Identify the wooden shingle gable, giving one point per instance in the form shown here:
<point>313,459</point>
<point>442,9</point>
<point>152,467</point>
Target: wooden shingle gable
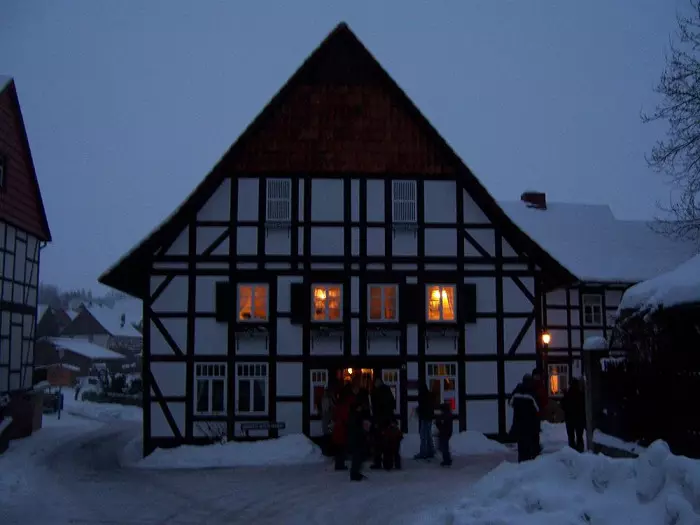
<point>340,112</point>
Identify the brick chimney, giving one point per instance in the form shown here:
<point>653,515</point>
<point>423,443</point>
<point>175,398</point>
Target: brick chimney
<point>534,199</point>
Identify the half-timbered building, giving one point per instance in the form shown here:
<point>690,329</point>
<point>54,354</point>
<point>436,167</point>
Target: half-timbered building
<point>23,230</point>
<point>339,235</point>
<point>606,255</point>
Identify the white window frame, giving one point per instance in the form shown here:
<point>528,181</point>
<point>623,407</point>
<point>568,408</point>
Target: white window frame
<point>275,200</point>
<point>326,286</point>
<point>253,287</point>
<point>561,371</point>
<point>246,374</point>
<point>210,372</point>
<point>392,378</point>
<point>441,287</point>
<point>383,318</point>
<point>592,301</point>
<point>404,201</point>
<point>452,373</point>
<point>319,377</point>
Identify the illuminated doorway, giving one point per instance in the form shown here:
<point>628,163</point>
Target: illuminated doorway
<point>366,376</point>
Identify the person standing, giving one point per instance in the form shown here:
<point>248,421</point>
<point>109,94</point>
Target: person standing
<point>341,417</point>
<point>425,412</point>
<point>574,405</point>
<point>328,401</point>
<point>542,398</point>
<point>383,406</point>
<point>358,429</point>
<point>444,425</point>
<point>526,422</point>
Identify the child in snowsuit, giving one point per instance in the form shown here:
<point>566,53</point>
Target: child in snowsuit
<point>444,426</point>
<point>391,444</point>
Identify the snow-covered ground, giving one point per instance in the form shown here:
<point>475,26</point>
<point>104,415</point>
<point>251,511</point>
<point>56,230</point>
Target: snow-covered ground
<point>99,411</point>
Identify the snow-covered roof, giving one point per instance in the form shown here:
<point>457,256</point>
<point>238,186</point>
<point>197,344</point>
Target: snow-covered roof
<point>67,366</point>
<point>111,320</point>
<point>40,311</point>
<point>595,246</point>
<point>4,81</point>
<point>71,313</point>
<point>676,287</point>
<point>85,348</point>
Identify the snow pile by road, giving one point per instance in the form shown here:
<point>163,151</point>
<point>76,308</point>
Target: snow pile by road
<point>467,443</point>
<point>100,411</point>
<point>553,436</point>
<point>567,488</point>
<point>287,450</point>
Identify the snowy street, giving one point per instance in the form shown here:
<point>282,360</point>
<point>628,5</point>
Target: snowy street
<point>79,480</point>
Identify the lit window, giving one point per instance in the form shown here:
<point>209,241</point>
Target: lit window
<point>558,379</point>
<point>382,302</point>
<point>251,388</point>
<point>210,381</point>
<point>592,309</point>
<point>391,379</point>
<point>319,383</point>
<point>252,302</point>
<point>441,303</point>
<point>327,302</point>
<point>442,382</point>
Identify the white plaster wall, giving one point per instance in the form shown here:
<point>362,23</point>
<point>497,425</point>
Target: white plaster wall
<point>210,338</point>
<point>405,243</point>
<point>486,239</point>
<point>247,240</point>
<point>252,345</point>
<point>514,300</point>
<point>511,329</point>
<point>173,298</point>
<point>289,379</point>
<point>441,242</point>
<point>383,345</point>
<point>218,207</point>
<point>480,337</point>
<point>289,338</point>
<point>375,241</point>
<point>507,250</point>
<point>354,200</point>
<point>436,343</point>
<point>327,241</point>
<point>181,245</point>
<point>472,213</point>
<point>301,201</point>
<point>284,286</point>
<point>326,345</point>
<point>278,242</point>
<point>355,241</point>
<point>574,317</point>
<point>481,377</point>
<point>300,247</point>
<point>485,293</point>
<point>482,416</point>
<point>205,300</point>
<point>248,199</point>
<point>613,298</point>
<point>171,378</point>
<point>440,199</point>
<point>159,425</point>
<point>354,294</point>
<point>375,201</point>
<point>355,336</point>
<point>412,339</point>
<point>514,372</point>
<point>327,200</point>
<point>573,297</point>
<point>291,415</point>
<point>557,297</point>
<point>557,317</point>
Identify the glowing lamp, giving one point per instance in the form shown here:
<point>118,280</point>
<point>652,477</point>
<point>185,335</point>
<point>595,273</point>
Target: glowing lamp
<point>350,371</point>
<point>546,338</point>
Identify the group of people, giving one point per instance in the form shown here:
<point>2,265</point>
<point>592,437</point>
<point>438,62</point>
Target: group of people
<point>529,402</point>
<point>361,425</point>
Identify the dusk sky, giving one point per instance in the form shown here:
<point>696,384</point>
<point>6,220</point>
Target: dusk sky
<point>128,104</point>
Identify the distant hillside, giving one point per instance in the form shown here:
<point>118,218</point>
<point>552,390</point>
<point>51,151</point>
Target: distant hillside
<point>52,295</point>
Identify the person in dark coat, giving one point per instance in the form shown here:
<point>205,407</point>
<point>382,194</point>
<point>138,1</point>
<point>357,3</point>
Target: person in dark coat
<point>444,425</point>
<point>542,398</point>
<point>574,406</point>
<point>339,435</point>
<point>358,429</point>
<point>425,412</point>
<point>526,422</point>
<point>391,441</point>
<point>383,406</point>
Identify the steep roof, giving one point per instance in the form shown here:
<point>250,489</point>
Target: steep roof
<point>111,321</point>
<point>13,201</point>
<point>85,348</point>
<point>362,98</point>
<point>595,246</point>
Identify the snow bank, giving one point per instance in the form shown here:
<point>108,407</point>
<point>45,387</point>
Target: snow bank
<point>553,436</point>
<point>567,488</point>
<point>287,450</point>
<point>100,411</point>
<point>614,442</point>
<point>679,286</point>
<point>469,443</point>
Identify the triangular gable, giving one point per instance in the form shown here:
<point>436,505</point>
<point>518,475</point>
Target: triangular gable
<point>339,112</point>
<point>20,200</point>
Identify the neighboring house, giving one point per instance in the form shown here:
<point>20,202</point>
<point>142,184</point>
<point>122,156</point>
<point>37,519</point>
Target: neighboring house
<point>51,322</point>
<point>340,235</point>
<point>23,231</point>
<point>107,327</point>
<point>606,255</point>
<point>78,354</point>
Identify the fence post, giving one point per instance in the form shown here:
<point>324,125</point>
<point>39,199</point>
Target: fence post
<point>593,349</point>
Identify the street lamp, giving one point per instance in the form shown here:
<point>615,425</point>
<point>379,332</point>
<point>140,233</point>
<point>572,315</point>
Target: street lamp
<point>546,339</point>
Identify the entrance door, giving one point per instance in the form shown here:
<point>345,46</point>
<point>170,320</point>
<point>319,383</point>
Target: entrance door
<point>392,378</point>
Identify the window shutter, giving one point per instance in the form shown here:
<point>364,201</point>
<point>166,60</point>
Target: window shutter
<point>411,301</point>
<point>225,301</point>
<point>468,302</point>
<point>299,303</point>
